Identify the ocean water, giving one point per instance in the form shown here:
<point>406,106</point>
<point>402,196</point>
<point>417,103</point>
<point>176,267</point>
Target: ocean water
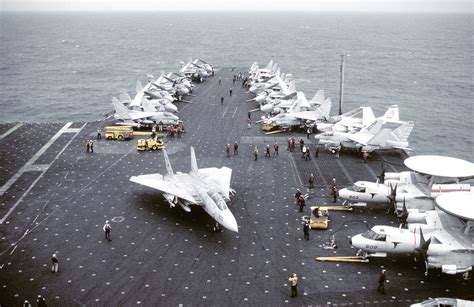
<point>57,67</point>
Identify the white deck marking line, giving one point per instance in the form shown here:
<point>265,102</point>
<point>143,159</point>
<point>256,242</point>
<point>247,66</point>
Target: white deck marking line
<point>344,170</point>
<point>44,169</point>
<point>320,174</point>
<point>33,159</point>
<point>295,170</point>
<point>225,111</point>
<point>233,114</point>
<point>10,131</point>
<point>371,171</point>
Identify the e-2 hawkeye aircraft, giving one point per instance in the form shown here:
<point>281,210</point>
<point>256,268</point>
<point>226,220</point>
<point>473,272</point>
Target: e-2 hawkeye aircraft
<point>443,238</point>
<point>430,176</point>
<point>205,187</point>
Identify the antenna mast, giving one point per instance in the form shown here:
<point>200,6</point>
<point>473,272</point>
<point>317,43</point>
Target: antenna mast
<point>341,88</point>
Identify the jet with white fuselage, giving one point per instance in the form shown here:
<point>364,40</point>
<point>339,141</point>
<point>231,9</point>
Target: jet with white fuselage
<point>205,187</point>
<point>382,134</point>
<point>162,104</point>
<point>300,112</point>
<point>138,118</point>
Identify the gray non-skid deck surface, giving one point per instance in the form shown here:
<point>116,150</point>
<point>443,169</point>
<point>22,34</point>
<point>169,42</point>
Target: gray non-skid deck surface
<point>161,255</point>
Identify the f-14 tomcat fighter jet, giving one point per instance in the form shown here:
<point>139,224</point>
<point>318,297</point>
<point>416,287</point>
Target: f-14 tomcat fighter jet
<point>206,187</point>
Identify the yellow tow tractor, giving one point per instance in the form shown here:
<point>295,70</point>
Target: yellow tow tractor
<point>319,218</point>
<point>150,144</point>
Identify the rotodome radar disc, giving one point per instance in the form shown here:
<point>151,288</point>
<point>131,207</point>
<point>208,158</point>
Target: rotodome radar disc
<point>460,204</point>
<point>440,166</point>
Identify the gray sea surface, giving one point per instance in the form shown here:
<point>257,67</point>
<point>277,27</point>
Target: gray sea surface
<point>57,67</point>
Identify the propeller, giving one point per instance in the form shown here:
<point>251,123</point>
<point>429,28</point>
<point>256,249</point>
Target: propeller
<point>403,215</point>
<point>392,198</point>
<point>382,175</point>
<point>422,250</point>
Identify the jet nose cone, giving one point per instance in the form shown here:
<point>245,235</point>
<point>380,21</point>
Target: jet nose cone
<point>172,108</point>
<point>230,222</point>
<point>266,108</point>
<point>260,98</point>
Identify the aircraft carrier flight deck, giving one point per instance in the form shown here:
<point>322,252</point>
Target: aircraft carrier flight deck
<point>56,197</point>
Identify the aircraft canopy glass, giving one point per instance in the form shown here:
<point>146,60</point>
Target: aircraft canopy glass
<point>374,236</point>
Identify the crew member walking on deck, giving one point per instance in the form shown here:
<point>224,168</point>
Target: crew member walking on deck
<point>334,193</point>
<point>382,278</point>
<point>301,144</point>
<point>293,283</point>
<point>91,145</point>
<point>311,181</point>
<point>267,151</point>
<point>275,147</point>
<point>55,264</point>
<point>230,92</point>
<point>88,146</point>
<point>227,150</point>
<point>222,99</point>
<point>306,228</point>
<point>220,81</point>
<point>99,134</point>
<point>297,195</point>
<point>301,202</point>
<point>236,149</point>
<point>255,153</point>
<point>249,122</point>
<point>107,229</point>
<point>365,155</point>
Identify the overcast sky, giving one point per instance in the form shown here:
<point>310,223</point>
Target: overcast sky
<point>399,6</point>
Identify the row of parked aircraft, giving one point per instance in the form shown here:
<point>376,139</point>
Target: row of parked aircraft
<point>357,129</point>
<point>434,203</point>
<point>154,102</point>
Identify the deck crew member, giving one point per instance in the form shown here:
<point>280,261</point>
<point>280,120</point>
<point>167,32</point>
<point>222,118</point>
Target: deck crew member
<point>40,302</point>
<point>267,151</point>
<point>365,155</point>
<point>297,194</point>
<point>303,152</point>
<point>316,153</point>
<point>88,146</point>
<point>222,99</point>
<point>311,181</point>
<point>55,264</point>
<point>334,193</point>
<point>382,278</point>
<point>301,144</point>
<point>275,147</point>
<point>91,145</point>
<point>236,149</point>
<point>301,202</point>
<point>230,92</point>
<point>107,229</point>
<point>227,150</point>
<point>255,153</point>
<point>306,228</point>
<point>99,134</point>
<point>293,283</point>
